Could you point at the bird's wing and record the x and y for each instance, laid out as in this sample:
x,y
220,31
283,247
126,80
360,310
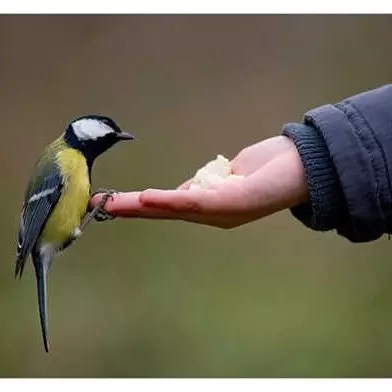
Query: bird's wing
x,y
37,208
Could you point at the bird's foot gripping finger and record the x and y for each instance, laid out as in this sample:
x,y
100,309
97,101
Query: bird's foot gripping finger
x,y
99,213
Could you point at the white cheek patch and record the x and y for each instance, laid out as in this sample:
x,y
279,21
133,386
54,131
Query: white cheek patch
x,y
90,129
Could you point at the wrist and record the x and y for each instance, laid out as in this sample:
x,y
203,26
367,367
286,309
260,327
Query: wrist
x,y
326,204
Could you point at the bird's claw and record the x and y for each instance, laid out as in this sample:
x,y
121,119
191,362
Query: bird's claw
x,y
100,215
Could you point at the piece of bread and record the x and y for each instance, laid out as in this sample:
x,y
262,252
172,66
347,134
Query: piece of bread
x,y
214,172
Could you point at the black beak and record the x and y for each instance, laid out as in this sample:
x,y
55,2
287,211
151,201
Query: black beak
x,y
125,136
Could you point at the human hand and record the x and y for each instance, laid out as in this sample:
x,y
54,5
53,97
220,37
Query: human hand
x,y
274,179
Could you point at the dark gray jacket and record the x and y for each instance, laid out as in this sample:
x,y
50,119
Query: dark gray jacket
x,y
346,150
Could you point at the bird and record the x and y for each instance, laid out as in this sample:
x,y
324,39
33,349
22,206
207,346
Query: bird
x,y
56,209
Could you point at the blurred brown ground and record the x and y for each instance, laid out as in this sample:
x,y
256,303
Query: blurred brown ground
x,y
169,299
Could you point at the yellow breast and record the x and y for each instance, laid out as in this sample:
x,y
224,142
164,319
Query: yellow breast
x,y
73,203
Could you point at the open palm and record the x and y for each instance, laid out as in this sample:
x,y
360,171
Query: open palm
x,y
274,179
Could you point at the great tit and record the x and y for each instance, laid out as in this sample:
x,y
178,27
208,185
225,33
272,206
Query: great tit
x,y
55,209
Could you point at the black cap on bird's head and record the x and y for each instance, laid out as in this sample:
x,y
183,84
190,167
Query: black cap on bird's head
x,y
94,134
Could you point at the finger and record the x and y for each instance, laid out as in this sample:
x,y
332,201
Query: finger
x,y
253,157
128,205
185,185
226,197
96,199
179,200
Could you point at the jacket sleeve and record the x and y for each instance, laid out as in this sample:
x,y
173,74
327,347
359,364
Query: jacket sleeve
x,y
346,150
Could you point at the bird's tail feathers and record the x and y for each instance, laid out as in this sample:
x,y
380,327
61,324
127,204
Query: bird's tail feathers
x,y
41,271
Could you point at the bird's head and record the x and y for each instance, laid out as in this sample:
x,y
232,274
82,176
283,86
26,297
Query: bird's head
x,y
94,134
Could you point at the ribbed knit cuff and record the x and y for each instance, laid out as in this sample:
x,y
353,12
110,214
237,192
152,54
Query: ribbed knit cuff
x,y
326,207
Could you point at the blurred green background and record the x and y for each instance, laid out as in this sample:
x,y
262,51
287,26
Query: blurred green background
x,y
169,299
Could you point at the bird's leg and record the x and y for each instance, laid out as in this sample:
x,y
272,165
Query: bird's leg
x,y
98,213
